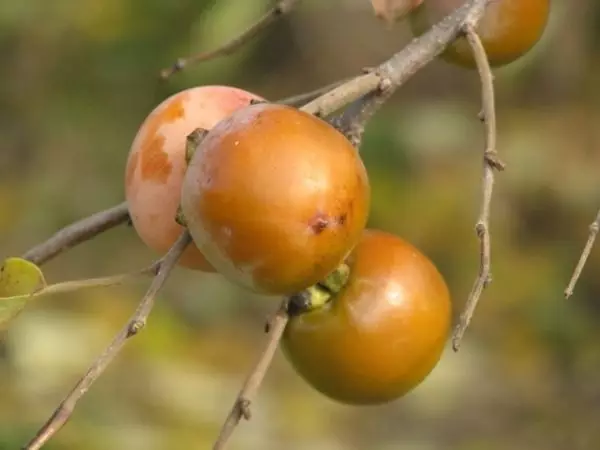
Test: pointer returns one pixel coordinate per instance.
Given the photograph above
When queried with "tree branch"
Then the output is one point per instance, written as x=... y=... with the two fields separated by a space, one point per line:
x=241 y=407
x=394 y=72
x=490 y=163
x=134 y=326
x=585 y=254
x=281 y=8
x=77 y=233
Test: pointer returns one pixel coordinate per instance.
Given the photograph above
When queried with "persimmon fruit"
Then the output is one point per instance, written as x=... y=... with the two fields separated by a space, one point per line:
x=275 y=198
x=508 y=29
x=382 y=333
x=156 y=163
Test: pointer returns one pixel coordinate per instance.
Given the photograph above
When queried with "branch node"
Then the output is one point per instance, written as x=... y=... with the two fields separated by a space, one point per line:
x=480 y=229
x=241 y=407
x=487 y=281
x=135 y=327
x=385 y=83
x=492 y=159
x=244 y=407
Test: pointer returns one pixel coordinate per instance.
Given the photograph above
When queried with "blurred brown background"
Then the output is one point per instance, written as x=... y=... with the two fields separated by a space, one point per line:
x=77 y=79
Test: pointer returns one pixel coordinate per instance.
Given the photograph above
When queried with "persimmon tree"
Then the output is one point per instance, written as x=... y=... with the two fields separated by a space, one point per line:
x=297 y=231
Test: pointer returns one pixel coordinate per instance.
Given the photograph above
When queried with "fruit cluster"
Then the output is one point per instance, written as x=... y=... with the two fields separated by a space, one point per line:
x=276 y=200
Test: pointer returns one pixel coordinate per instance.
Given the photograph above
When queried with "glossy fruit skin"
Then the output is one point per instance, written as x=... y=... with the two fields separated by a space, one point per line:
x=508 y=28
x=156 y=163
x=382 y=334
x=275 y=198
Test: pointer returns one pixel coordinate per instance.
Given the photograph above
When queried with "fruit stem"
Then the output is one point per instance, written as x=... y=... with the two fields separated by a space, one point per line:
x=320 y=294
x=308 y=300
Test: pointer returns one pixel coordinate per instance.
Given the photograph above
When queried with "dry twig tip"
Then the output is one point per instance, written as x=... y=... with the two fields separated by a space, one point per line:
x=490 y=163
x=585 y=254
x=281 y=8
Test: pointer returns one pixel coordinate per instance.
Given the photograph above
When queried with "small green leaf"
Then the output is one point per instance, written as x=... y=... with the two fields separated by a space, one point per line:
x=19 y=279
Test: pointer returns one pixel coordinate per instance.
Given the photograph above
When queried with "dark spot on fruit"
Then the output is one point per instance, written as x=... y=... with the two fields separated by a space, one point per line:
x=318 y=223
x=342 y=219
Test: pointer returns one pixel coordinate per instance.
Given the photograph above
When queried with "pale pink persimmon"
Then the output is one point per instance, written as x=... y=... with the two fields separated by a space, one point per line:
x=156 y=163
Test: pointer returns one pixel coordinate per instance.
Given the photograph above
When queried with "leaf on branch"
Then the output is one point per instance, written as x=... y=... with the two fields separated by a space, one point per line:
x=19 y=281
x=393 y=10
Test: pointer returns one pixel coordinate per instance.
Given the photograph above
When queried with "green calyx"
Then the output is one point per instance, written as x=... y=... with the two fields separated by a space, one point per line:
x=336 y=280
x=320 y=294
x=180 y=218
x=192 y=142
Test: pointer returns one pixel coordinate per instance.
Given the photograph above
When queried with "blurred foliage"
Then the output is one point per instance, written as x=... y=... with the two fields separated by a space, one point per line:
x=76 y=81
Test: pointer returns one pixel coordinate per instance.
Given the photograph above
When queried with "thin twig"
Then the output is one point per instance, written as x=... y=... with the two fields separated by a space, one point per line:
x=594 y=226
x=302 y=99
x=241 y=407
x=281 y=8
x=113 y=280
x=134 y=326
x=490 y=163
x=77 y=233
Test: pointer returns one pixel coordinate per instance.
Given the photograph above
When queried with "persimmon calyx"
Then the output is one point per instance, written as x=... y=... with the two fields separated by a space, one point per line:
x=320 y=294
x=192 y=142
x=336 y=280
x=180 y=218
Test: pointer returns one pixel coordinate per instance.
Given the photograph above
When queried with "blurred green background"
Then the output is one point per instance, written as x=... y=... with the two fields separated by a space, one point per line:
x=78 y=78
